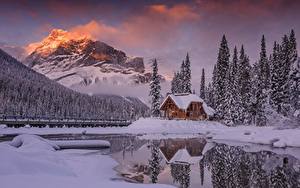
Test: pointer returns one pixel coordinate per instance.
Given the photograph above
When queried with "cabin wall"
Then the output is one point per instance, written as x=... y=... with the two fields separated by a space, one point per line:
x=195 y=111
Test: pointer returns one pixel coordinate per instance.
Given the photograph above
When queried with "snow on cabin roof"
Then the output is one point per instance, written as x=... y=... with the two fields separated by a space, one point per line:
x=184 y=100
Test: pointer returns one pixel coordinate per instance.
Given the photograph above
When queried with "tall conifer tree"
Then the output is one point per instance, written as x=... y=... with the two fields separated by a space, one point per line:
x=233 y=107
x=295 y=73
x=155 y=90
x=245 y=85
x=187 y=75
x=202 y=85
x=219 y=78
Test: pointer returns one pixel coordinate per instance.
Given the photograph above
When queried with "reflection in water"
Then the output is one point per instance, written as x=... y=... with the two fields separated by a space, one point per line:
x=196 y=163
x=154 y=162
x=180 y=172
x=233 y=167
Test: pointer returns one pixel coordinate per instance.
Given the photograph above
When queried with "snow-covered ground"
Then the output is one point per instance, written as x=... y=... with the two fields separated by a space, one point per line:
x=32 y=162
x=157 y=128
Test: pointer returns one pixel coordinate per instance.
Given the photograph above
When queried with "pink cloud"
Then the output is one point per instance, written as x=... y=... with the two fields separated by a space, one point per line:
x=157 y=26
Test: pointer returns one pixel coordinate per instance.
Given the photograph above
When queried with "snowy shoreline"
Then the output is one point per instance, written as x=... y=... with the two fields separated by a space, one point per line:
x=154 y=128
x=30 y=161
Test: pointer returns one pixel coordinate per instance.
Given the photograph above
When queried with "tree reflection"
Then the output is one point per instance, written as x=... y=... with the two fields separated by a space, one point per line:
x=154 y=163
x=233 y=167
x=180 y=171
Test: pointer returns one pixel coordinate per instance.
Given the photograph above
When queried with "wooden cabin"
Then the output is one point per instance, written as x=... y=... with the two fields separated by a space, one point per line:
x=185 y=106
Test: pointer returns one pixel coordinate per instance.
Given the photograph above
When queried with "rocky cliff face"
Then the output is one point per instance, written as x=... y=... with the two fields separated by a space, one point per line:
x=72 y=61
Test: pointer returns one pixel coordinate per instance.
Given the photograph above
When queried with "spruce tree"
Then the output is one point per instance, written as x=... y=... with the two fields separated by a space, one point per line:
x=285 y=58
x=261 y=92
x=277 y=79
x=182 y=78
x=209 y=95
x=245 y=85
x=187 y=85
x=202 y=86
x=295 y=73
x=233 y=107
x=155 y=90
x=219 y=78
x=264 y=65
x=174 y=84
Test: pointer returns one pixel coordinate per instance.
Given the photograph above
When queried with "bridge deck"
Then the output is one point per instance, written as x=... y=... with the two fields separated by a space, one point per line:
x=10 y=122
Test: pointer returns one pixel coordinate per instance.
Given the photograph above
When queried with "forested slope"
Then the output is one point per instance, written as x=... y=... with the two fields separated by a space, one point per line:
x=24 y=92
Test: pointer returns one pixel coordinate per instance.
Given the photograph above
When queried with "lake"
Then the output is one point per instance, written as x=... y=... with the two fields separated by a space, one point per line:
x=196 y=162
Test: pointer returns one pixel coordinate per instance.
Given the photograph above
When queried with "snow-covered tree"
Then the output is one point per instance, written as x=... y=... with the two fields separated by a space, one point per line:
x=264 y=65
x=233 y=107
x=155 y=90
x=181 y=82
x=187 y=75
x=260 y=101
x=285 y=76
x=219 y=78
x=295 y=73
x=202 y=85
x=174 y=83
x=261 y=88
x=209 y=95
x=245 y=85
x=277 y=82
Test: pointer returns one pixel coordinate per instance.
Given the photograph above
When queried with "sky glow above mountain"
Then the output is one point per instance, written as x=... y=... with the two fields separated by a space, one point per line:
x=166 y=30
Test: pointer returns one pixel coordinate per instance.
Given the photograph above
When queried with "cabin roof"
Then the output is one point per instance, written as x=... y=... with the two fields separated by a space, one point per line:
x=183 y=101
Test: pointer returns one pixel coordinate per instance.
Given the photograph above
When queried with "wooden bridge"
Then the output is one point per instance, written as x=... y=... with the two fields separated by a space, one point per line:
x=70 y=122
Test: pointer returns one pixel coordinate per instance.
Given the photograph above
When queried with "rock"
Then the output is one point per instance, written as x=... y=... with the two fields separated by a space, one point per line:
x=139 y=178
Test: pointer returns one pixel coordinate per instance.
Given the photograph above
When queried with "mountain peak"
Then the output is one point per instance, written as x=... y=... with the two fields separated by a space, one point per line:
x=56 y=38
x=57 y=32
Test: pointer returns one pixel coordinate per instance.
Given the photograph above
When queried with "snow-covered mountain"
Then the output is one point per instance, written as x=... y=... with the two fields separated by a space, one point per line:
x=24 y=92
x=74 y=61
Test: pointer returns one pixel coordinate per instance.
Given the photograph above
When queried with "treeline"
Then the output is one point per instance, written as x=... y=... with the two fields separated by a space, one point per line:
x=181 y=82
x=26 y=93
x=242 y=93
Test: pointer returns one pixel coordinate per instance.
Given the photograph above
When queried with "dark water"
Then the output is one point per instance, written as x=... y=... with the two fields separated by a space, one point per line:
x=198 y=163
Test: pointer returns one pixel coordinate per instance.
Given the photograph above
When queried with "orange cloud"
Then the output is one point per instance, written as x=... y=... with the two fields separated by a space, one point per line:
x=178 y=12
x=94 y=30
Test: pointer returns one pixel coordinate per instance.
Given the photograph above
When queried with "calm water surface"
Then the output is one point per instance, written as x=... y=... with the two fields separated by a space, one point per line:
x=197 y=162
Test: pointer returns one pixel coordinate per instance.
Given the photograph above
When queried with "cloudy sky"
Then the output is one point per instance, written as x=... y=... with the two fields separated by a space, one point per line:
x=166 y=30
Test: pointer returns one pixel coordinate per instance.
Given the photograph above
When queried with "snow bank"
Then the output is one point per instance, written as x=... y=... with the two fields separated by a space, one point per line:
x=217 y=131
x=30 y=155
x=2 y=126
x=31 y=162
x=33 y=142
